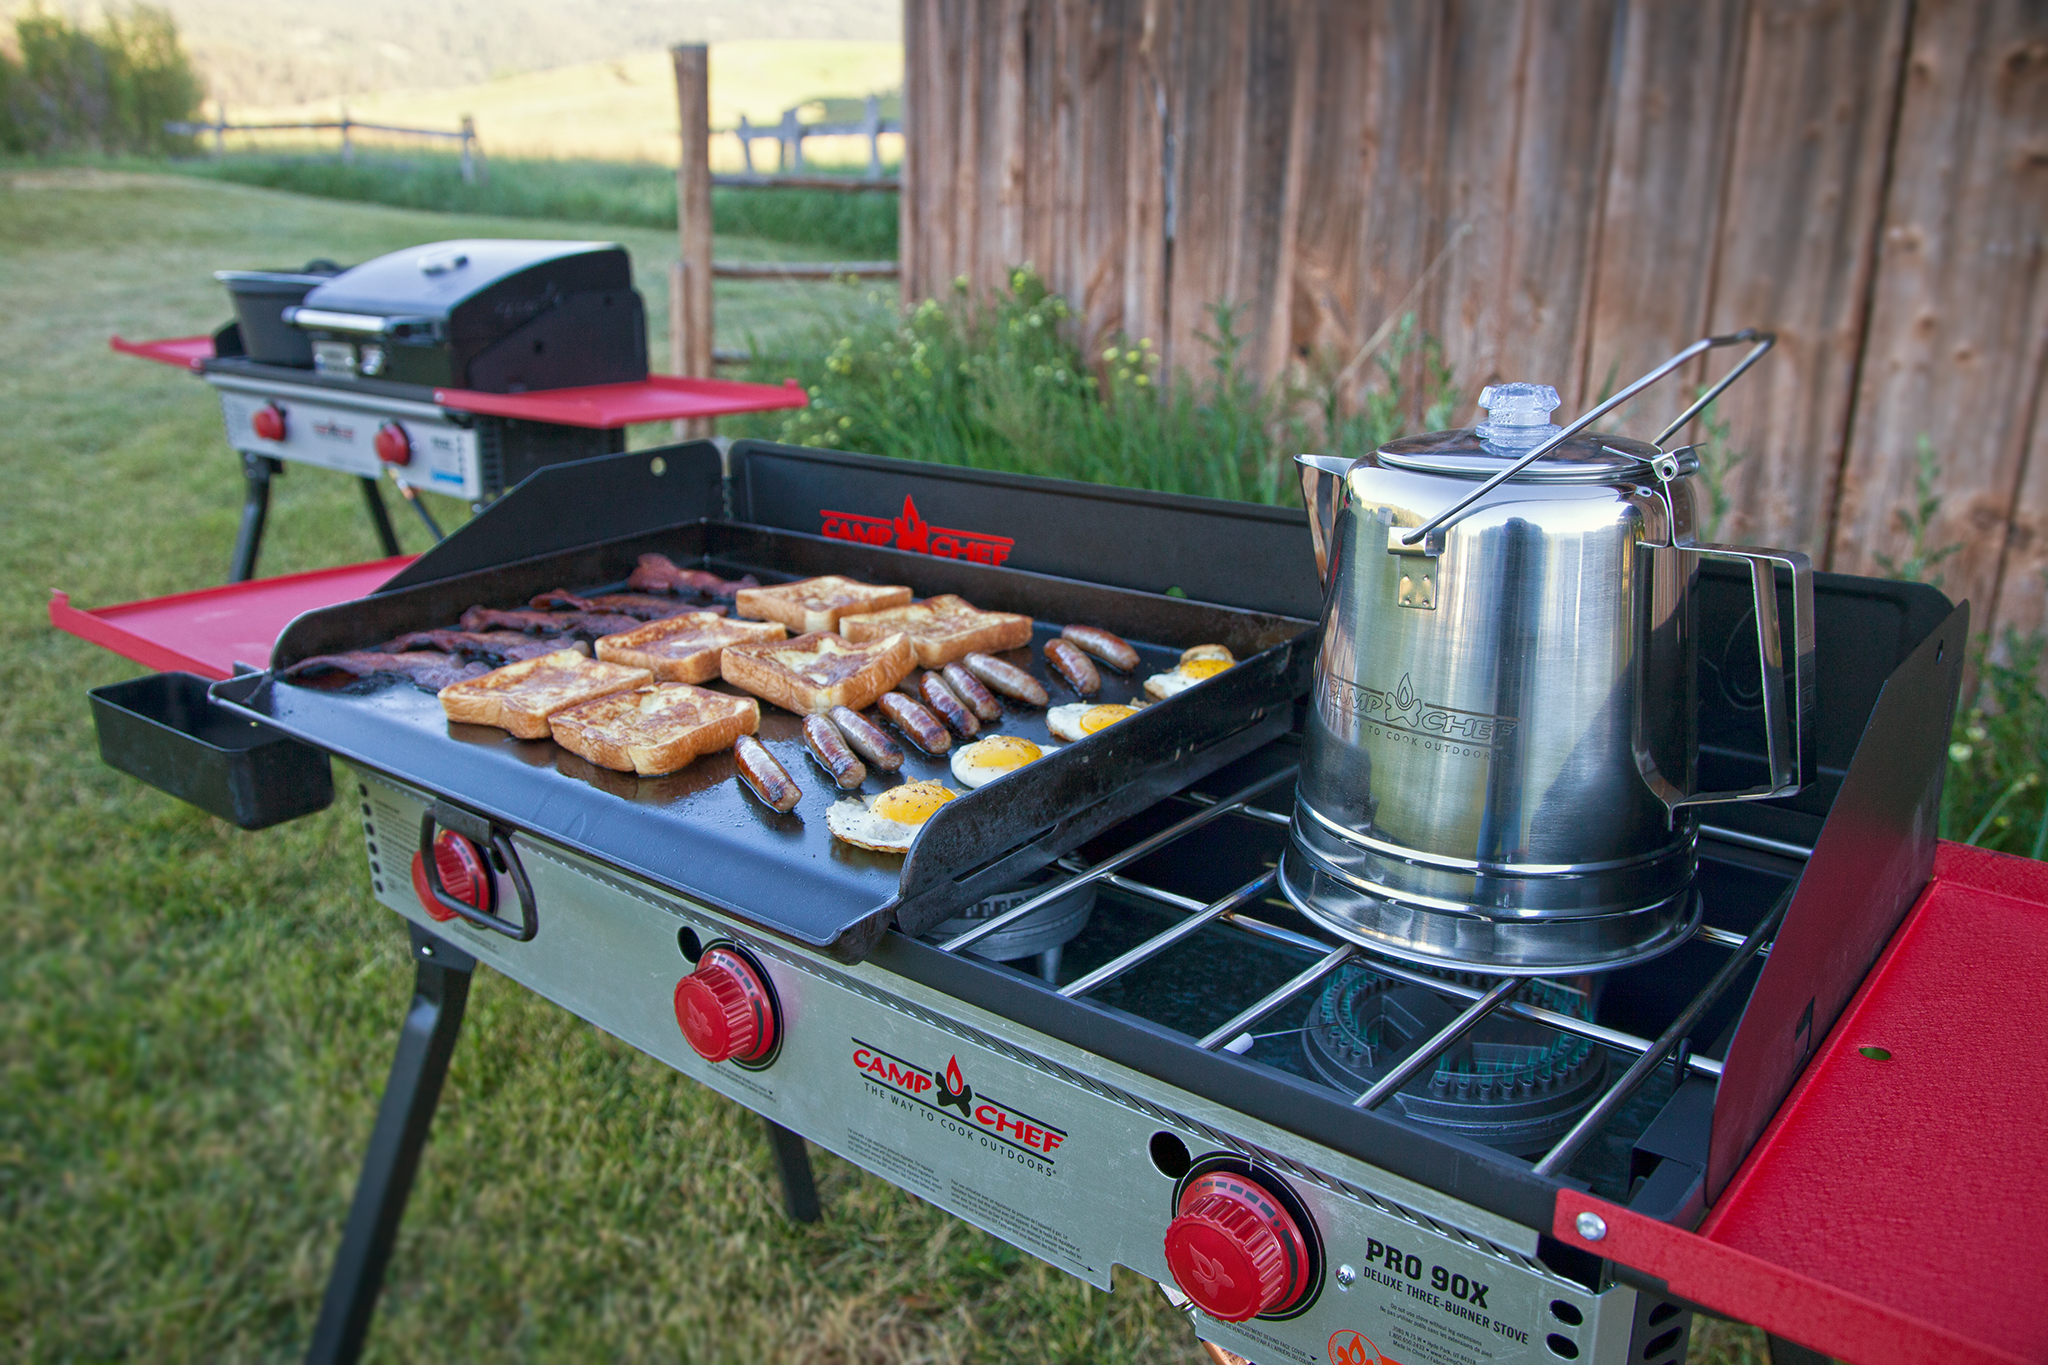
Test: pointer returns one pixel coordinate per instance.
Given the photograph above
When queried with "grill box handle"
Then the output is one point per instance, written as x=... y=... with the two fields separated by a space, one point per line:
x=484 y=834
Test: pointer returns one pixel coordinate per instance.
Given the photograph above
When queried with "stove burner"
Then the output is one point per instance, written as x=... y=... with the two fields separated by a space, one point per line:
x=1040 y=934
x=1510 y=1084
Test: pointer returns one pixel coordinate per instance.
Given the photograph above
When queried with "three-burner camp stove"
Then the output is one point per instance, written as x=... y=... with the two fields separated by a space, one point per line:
x=1323 y=1155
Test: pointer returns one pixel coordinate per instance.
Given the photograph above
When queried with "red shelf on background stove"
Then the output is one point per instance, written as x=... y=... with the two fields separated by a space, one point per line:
x=210 y=631
x=657 y=398
x=1916 y=1181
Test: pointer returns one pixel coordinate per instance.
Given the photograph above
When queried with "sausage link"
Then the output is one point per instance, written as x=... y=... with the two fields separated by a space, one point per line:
x=968 y=688
x=1008 y=679
x=826 y=744
x=868 y=739
x=761 y=772
x=1070 y=663
x=941 y=699
x=912 y=719
x=1113 y=650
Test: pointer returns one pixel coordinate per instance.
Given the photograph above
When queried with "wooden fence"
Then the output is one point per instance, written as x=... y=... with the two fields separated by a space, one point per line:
x=473 y=167
x=1565 y=191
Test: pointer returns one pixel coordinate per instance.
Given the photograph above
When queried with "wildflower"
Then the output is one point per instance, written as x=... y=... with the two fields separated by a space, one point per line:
x=1959 y=753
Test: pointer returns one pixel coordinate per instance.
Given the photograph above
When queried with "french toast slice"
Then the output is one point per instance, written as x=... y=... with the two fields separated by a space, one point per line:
x=815 y=672
x=520 y=697
x=654 y=730
x=686 y=648
x=942 y=629
x=814 y=604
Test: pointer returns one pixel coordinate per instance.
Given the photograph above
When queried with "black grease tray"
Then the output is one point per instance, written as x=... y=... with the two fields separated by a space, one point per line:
x=698 y=833
x=162 y=729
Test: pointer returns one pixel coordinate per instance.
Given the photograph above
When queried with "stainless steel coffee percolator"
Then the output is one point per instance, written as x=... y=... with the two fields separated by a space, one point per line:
x=1503 y=741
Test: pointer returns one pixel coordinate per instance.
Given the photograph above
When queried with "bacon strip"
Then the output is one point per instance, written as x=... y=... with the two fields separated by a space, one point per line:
x=587 y=625
x=659 y=573
x=643 y=605
x=426 y=670
x=493 y=646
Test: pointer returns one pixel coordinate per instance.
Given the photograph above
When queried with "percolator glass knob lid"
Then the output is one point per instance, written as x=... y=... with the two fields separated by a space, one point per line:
x=1517 y=421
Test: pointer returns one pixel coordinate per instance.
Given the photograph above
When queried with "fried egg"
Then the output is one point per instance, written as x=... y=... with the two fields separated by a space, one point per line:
x=1194 y=652
x=1078 y=720
x=1164 y=685
x=985 y=760
x=889 y=822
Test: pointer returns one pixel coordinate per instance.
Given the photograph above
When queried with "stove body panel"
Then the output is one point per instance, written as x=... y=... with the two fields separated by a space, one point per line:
x=338 y=430
x=1028 y=1138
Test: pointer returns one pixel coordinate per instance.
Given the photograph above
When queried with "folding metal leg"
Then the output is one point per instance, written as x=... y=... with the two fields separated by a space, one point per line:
x=257 y=471
x=793 y=1164
x=1785 y=1352
x=379 y=517
x=440 y=990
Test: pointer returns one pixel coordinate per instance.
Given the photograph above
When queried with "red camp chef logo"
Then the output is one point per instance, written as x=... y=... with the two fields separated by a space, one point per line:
x=912 y=532
x=1349 y=1348
x=943 y=1093
x=1209 y=1273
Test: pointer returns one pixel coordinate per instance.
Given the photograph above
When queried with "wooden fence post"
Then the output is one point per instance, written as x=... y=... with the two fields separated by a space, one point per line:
x=792 y=159
x=746 y=143
x=348 y=143
x=468 y=159
x=873 y=127
x=690 y=324
x=220 y=130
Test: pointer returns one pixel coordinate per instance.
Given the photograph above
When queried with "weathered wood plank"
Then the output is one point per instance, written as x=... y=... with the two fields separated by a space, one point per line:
x=1961 y=301
x=1797 y=247
x=1151 y=34
x=2022 y=605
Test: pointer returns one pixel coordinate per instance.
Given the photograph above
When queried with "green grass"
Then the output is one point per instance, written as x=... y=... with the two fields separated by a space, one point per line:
x=627 y=194
x=195 y=1023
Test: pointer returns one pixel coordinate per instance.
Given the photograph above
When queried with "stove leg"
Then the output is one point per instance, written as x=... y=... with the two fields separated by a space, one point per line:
x=380 y=518
x=257 y=471
x=1785 y=1352
x=793 y=1164
x=1049 y=965
x=440 y=990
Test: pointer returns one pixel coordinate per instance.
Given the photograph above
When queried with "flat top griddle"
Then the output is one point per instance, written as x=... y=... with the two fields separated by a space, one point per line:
x=701 y=833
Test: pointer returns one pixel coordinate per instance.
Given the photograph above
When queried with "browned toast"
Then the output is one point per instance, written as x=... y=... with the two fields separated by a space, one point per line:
x=942 y=629
x=813 y=673
x=654 y=730
x=683 y=649
x=520 y=697
x=814 y=604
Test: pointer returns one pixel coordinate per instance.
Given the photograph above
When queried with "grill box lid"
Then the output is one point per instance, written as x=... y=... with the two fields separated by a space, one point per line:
x=493 y=315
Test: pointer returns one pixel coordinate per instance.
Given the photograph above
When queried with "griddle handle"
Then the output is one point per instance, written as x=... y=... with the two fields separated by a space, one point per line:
x=500 y=844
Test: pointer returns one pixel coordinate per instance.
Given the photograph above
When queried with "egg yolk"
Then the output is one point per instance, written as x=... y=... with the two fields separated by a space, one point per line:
x=1003 y=754
x=1096 y=717
x=913 y=803
x=1203 y=668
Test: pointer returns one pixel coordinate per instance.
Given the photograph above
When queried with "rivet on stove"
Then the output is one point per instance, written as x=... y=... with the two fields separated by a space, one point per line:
x=1592 y=1226
x=1346 y=1276
x=426 y=950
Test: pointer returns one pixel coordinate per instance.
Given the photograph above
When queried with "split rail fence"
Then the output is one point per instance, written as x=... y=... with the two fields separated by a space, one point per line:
x=473 y=166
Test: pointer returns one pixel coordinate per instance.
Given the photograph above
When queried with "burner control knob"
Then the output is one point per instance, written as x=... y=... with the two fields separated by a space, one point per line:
x=725 y=1009
x=1234 y=1250
x=269 y=422
x=393 y=445
x=464 y=875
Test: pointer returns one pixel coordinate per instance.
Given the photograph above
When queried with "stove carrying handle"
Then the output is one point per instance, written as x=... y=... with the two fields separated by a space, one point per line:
x=484 y=834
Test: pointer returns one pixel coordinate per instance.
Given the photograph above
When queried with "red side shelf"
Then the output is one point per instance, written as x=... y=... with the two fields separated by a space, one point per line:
x=210 y=631
x=657 y=398
x=1894 y=1208
x=185 y=352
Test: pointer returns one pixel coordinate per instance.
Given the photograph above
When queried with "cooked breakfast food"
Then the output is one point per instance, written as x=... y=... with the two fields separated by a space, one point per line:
x=658 y=573
x=887 y=823
x=932 y=689
x=584 y=625
x=829 y=747
x=491 y=647
x=685 y=648
x=520 y=697
x=813 y=673
x=815 y=604
x=942 y=629
x=1075 y=667
x=644 y=606
x=429 y=670
x=1080 y=719
x=969 y=689
x=1006 y=678
x=1111 y=649
x=985 y=760
x=913 y=720
x=765 y=777
x=1194 y=667
x=654 y=730
x=868 y=739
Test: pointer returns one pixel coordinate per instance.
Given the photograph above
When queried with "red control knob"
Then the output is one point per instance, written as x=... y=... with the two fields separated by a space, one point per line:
x=725 y=1010
x=464 y=876
x=269 y=422
x=393 y=445
x=1234 y=1250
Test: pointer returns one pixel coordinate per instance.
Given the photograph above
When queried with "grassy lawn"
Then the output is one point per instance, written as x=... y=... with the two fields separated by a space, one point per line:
x=195 y=1023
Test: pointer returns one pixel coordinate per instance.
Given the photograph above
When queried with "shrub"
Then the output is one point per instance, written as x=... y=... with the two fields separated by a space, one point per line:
x=109 y=90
